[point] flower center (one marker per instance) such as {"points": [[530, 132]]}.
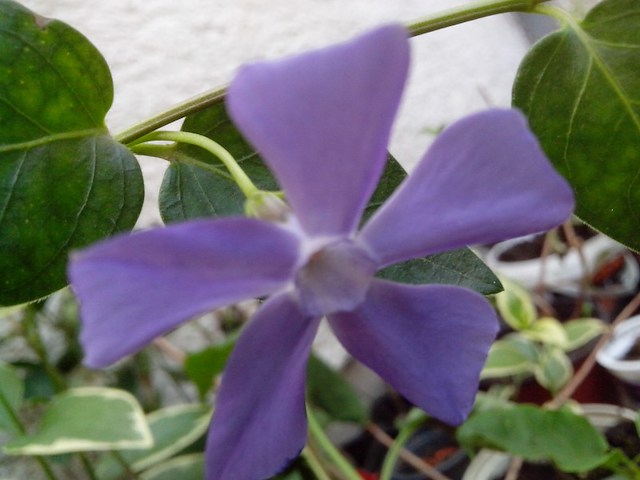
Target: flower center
{"points": [[335, 278]]}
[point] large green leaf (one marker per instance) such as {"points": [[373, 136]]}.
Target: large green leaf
{"points": [[64, 182], [580, 89], [86, 419], [534, 433], [190, 191]]}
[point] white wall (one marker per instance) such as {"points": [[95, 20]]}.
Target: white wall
{"points": [[164, 51]]}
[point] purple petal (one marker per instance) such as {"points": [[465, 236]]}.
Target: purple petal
{"points": [[259, 423], [429, 342], [322, 122], [484, 179], [136, 287]]}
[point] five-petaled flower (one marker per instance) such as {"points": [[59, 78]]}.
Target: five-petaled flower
{"points": [[322, 122]]}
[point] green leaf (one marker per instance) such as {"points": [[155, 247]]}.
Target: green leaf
{"points": [[458, 267], [534, 433], [548, 330], [553, 369], [202, 367], [581, 331], [64, 182], [185, 467], [86, 419], [11, 396], [172, 428], [580, 89], [515, 306], [511, 355], [329, 391], [189, 191]]}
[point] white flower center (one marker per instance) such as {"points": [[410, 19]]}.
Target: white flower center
{"points": [[335, 278]]}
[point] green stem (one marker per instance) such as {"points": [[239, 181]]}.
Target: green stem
{"points": [[32, 335], [314, 464], [393, 454], [44, 465], [329, 448], [468, 12], [124, 464], [86, 463], [446, 18], [193, 105], [239, 176]]}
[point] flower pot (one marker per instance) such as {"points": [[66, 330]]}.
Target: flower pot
{"points": [[519, 259], [621, 357], [489, 465]]}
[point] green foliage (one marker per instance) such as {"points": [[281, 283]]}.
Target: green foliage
{"points": [[329, 391], [202, 367], [86, 419], [580, 89], [64, 182], [11, 396], [538, 346], [561, 436], [185, 467], [173, 429]]}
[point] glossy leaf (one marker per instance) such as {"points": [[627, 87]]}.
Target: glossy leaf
{"points": [[580, 89], [459, 267], [191, 191], [173, 429], [86, 419], [329, 391], [64, 182], [11, 395], [534, 433]]}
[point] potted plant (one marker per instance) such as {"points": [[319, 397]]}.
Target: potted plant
{"points": [[549, 451]]}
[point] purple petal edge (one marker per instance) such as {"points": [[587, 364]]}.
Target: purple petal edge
{"points": [[136, 287], [429, 342], [322, 121], [259, 423], [484, 179]]}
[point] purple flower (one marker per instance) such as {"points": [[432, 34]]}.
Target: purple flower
{"points": [[322, 122]]}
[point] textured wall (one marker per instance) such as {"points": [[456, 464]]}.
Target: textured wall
{"points": [[163, 51]]}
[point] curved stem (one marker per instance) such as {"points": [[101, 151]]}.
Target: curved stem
{"points": [[471, 11], [329, 448], [193, 105], [390, 460], [412, 459], [314, 464], [437, 21], [239, 176]]}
